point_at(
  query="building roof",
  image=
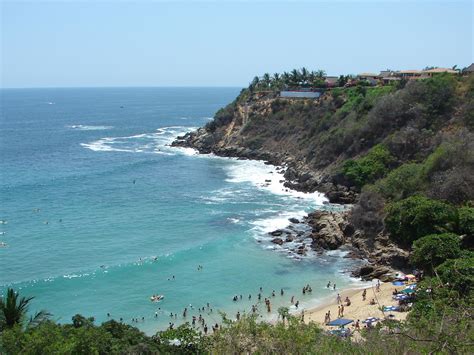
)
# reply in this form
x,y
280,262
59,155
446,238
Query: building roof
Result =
x,y
470,68
368,74
440,70
410,72
331,79
387,73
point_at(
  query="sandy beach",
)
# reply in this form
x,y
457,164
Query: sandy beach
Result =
x,y
358,310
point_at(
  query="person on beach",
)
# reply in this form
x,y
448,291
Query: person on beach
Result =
x,y
348,301
372,302
334,287
304,290
297,304
329,316
377,287
261,289
357,325
326,318
364,294
273,293
338,311
250,297
342,310
292,299
259,296
156,314
329,284
281,292
185,312
205,329
194,321
338,298
238,315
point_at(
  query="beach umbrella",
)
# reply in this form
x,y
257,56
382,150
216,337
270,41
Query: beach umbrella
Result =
x,y
390,308
412,286
340,322
398,283
408,291
410,276
400,297
370,320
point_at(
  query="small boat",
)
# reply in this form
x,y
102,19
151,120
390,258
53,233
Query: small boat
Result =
x,y
156,298
3,245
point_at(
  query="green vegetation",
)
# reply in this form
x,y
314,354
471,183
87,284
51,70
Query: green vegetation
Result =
x,y
374,165
432,250
296,78
439,323
14,310
417,216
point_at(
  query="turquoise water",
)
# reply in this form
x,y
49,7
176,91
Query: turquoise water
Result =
x,y
100,212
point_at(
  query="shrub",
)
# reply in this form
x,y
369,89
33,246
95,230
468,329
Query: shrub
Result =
x,y
417,216
466,220
402,182
367,169
458,273
432,250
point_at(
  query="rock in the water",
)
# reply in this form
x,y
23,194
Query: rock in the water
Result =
x,y
294,220
278,241
276,233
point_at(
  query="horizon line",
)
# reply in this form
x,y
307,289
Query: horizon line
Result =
x,y
122,87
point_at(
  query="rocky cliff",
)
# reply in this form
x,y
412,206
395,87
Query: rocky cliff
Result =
x,y
347,141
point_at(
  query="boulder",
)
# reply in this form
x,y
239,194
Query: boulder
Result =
x,y
276,233
278,241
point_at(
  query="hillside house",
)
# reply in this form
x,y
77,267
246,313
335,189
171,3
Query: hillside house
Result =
x,y
331,81
431,72
469,70
372,78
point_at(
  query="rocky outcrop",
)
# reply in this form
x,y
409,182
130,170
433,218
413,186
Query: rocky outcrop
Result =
x,y
329,230
243,129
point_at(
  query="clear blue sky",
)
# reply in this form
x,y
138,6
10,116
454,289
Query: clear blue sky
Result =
x,y
223,43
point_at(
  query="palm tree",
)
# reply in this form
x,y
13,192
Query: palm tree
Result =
x,y
276,80
266,80
254,83
295,77
321,73
286,78
13,311
304,76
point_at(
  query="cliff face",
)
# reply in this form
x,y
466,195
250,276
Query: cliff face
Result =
x,y
275,130
346,144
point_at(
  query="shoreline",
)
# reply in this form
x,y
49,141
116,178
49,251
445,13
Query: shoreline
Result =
x,y
359,309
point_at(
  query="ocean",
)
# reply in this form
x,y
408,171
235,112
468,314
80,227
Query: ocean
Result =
x,y
98,213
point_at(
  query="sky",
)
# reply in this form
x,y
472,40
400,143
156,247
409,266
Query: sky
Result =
x,y
223,43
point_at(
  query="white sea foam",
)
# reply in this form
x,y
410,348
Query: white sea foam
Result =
x,y
269,178
81,127
156,142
